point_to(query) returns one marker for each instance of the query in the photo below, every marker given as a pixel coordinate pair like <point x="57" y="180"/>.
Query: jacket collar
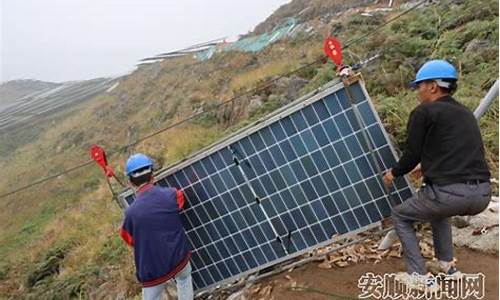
<point x="446" y="98"/>
<point x="143" y="188"/>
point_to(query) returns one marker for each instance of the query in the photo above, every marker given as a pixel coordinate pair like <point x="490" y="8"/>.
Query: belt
<point x="475" y="181"/>
<point x="470" y="181"/>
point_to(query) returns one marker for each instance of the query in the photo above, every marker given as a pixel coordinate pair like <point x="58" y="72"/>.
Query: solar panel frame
<point x="258" y="138"/>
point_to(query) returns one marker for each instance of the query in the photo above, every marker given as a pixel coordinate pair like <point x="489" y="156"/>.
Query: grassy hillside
<point x="59" y="240"/>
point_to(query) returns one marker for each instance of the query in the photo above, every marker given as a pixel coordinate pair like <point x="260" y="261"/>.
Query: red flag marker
<point x="98" y="154"/>
<point x="333" y="49"/>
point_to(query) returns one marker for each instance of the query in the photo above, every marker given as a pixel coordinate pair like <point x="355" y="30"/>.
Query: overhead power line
<point x="233" y="99"/>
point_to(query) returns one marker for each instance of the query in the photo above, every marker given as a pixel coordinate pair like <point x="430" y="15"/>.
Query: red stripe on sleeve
<point x="180" y="199"/>
<point x="126" y="237"/>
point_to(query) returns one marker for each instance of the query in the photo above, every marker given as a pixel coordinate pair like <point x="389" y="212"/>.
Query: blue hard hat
<point x="136" y="162"/>
<point x="435" y="69"/>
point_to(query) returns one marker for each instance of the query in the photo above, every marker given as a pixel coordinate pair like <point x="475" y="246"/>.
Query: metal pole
<point x="367" y="140"/>
<point x="487" y="100"/>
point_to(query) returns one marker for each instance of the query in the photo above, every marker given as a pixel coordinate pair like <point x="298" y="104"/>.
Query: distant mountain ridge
<point x="15" y="89"/>
<point x="29" y="100"/>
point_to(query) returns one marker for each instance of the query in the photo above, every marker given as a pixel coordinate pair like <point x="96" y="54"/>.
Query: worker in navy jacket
<point x="152" y="226"/>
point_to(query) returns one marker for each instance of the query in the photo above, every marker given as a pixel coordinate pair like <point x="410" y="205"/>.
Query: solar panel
<point x="282" y="187"/>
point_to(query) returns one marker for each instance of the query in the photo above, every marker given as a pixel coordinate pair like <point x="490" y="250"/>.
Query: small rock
<point x="476" y="45"/>
<point x="341" y="264"/>
<point x="295" y="84"/>
<point x="255" y="103"/>
<point x="325" y="265"/>
<point x="488" y="242"/>
<point x="493" y="207"/>
<point x="266" y="291"/>
<point x="240" y="295"/>
<point x="460" y="221"/>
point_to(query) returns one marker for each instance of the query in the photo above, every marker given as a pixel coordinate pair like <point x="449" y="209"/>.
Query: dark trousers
<point x="436" y="204"/>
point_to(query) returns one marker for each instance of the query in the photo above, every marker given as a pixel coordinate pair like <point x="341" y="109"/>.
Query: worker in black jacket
<point x="443" y="138"/>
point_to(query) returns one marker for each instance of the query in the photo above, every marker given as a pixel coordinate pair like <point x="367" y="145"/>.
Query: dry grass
<point x="250" y="78"/>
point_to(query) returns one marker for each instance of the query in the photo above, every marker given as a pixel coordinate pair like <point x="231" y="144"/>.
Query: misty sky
<point x="61" y="40"/>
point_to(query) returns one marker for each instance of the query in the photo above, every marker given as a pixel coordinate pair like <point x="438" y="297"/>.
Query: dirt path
<point x="325" y="283"/>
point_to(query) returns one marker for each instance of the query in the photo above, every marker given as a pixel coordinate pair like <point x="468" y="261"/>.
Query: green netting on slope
<point x="205" y="54"/>
<point x="257" y="43"/>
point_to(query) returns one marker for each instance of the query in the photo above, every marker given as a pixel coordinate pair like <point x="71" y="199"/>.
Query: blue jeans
<point x="183" y="282"/>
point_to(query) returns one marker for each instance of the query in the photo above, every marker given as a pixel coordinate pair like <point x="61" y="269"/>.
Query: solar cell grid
<point x="284" y="186"/>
